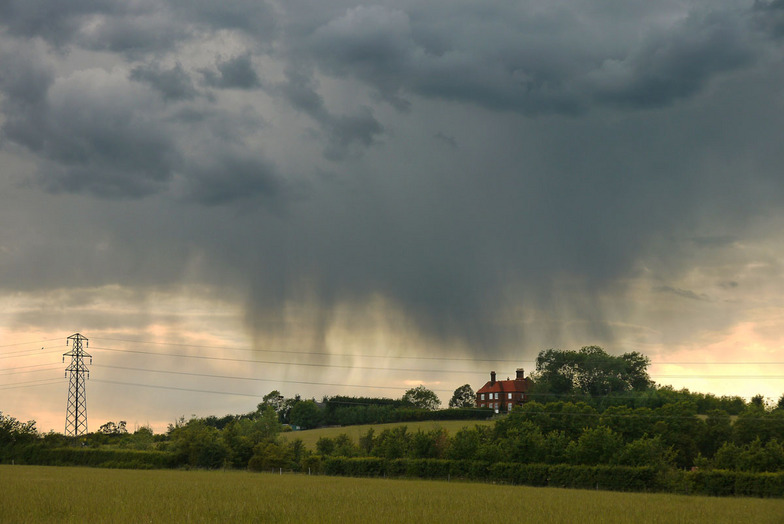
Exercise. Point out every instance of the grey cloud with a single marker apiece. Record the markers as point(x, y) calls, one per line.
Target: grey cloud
point(546, 214)
point(446, 139)
point(254, 17)
point(134, 27)
point(233, 73)
point(531, 61)
point(685, 293)
point(173, 83)
point(677, 63)
point(714, 241)
point(24, 81)
point(230, 178)
point(341, 131)
point(133, 33)
point(54, 21)
point(95, 141)
point(769, 17)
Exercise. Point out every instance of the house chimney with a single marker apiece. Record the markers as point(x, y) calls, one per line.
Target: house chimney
point(492, 378)
point(520, 374)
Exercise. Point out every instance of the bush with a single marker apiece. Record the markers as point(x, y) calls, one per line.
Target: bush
point(95, 457)
point(515, 473)
point(722, 483)
point(613, 478)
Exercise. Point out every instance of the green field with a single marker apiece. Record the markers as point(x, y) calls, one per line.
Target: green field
point(50, 494)
point(311, 436)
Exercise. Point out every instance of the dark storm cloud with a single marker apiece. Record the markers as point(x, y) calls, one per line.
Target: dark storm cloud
point(173, 83)
point(54, 21)
point(225, 180)
point(676, 63)
point(134, 27)
point(669, 147)
point(254, 17)
point(339, 131)
point(233, 73)
point(535, 60)
point(24, 81)
point(769, 16)
point(90, 140)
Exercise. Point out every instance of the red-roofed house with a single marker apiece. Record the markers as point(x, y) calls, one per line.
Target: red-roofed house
point(502, 395)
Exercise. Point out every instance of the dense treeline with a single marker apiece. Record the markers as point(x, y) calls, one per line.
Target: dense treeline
point(672, 436)
point(614, 432)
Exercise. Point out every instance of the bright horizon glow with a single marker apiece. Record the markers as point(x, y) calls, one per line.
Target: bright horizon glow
point(115, 390)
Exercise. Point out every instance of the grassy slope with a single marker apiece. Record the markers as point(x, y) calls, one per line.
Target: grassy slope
point(311, 436)
point(48, 494)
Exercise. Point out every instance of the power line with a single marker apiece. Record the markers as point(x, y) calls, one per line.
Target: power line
point(28, 343)
point(28, 352)
point(30, 371)
point(232, 377)
point(403, 357)
point(412, 370)
point(379, 368)
point(307, 364)
point(319, 353)
point(38, 382)
point(30, 366)
point(358, 355)
point(266, 380)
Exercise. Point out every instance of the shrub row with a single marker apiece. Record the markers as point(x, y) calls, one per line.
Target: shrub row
point(722, 483)
point(377, 414)
point(413, 415)
point(96, 457)
point(605, 477)
point(616, 478)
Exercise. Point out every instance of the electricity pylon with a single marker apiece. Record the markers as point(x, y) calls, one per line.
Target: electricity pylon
point(76, 412)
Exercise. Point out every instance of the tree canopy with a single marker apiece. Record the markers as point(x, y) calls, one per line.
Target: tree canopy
point(464, 397)
point(592, 371)
point(422, 398)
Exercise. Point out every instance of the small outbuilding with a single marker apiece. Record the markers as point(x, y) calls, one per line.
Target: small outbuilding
point(503, 395)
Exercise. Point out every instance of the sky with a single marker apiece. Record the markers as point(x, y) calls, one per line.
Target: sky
point(330, 197)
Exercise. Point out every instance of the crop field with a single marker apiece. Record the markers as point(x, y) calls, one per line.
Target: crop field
point(311, 436)
point(51, 494)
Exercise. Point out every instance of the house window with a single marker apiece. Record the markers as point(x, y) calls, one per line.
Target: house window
point(496, 397)
point(482, 396)
point(510, 396)
point(509, 407)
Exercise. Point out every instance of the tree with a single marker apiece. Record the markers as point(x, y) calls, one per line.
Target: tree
point(646, 451)
point(110, 428)
point(464, 397)
point(595, 446)
point(422, 398)
point(592, 371)
point(306, 414)
point(273, 400)
point(266, 426)
point(198, 444)
point(13, 431)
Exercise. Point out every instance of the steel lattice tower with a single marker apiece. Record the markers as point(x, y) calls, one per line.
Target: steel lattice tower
point(76, 412)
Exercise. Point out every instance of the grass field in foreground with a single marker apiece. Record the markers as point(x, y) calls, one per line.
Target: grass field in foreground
point(50, 494)
point(311, 436)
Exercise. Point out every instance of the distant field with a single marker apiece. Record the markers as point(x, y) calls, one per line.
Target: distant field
point(49, 494)
point(311, 436)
